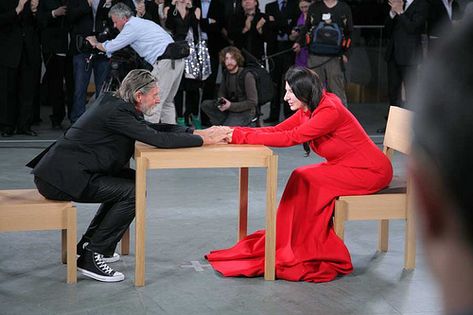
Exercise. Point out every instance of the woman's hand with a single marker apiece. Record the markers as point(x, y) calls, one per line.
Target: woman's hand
point(214, 135)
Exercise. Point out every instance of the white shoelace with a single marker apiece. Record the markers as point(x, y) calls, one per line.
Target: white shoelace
point(102, 264)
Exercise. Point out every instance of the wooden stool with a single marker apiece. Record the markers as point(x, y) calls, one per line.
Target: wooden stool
point(28, 210)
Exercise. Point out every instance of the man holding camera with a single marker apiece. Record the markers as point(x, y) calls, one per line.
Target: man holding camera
point(238, 97)
point(155, 45)
point(87, 17)
point(90, 164)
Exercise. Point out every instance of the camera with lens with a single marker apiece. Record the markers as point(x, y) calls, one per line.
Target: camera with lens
point(220, 102)
point(83, 45)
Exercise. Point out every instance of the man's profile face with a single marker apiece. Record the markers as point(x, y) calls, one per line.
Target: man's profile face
point(149, 100)
point(118, 23)
point(230, 63)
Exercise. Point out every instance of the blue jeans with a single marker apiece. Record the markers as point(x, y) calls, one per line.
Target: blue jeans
point(101, 67)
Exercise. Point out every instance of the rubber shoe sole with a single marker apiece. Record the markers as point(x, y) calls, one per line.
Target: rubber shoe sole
point(118, 276)
point(114, 258)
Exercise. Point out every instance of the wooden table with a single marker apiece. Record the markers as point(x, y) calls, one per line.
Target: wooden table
point(211, 156)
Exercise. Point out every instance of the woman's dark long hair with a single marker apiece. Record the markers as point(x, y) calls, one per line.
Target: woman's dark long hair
point(306, 86)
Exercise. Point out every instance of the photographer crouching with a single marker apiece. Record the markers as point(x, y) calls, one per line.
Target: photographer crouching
point(157, 47)
point(90, 164)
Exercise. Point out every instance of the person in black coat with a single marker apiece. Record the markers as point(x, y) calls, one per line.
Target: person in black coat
point(440, 18)
point(404, 26)
point(54, 45)
point(145, 9)
point(248, 30)
point(20, 65)
point(282, 16)
point(89, 164)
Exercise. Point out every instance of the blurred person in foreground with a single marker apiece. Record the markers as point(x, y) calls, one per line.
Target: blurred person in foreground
point(90, 164)
point(441, 166)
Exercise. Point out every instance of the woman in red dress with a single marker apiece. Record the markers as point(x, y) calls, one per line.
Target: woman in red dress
point(307, 247)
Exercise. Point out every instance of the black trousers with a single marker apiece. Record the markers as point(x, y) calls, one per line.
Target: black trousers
point(397, 75)
point(114, 216)
point(279, 66)
point(54, 79)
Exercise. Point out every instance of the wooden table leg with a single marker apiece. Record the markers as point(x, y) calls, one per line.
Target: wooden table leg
point(270, 242)
point(140, 225)
point(125, 243)
point(243, 215)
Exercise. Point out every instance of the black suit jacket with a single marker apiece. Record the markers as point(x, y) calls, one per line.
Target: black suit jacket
point(404, 32)
point(102, 142)
point(438, 21)
point(283, 23)
point(81, 20)
point(151, 10)
point(54, 30)
point(19, 37)
point(216, 12)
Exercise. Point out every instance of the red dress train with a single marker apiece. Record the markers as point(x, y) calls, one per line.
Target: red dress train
point(307, 247)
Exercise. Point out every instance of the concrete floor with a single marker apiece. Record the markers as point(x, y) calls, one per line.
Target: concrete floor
point(191, 212)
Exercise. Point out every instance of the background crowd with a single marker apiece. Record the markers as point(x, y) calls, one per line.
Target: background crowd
point(53, 33)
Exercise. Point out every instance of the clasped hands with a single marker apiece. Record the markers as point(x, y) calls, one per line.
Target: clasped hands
point(216, 135)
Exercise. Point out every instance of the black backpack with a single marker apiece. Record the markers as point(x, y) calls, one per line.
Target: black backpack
point(326, 39)
point(264, 83)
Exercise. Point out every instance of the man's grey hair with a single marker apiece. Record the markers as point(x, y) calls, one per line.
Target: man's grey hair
point(443, 120)
point(136, 80)
point(121, 11)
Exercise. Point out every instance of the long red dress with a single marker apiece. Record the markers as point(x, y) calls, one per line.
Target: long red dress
point(307, 247)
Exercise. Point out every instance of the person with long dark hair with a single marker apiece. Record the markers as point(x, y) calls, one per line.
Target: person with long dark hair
point(307, 248)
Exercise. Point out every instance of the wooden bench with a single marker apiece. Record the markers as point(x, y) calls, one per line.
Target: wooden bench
point(28, 210)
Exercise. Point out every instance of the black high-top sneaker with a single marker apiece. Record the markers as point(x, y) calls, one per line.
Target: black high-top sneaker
point(92, 265)
point(107, 258)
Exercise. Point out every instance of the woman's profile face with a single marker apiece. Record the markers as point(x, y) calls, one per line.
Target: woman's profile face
point(292, 100)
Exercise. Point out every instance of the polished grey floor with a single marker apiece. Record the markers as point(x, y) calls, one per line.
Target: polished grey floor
point(191, 212)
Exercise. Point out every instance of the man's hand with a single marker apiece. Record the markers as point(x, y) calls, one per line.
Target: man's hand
point(34, 5)
point(60, 11)
point(396, 6)
point(21, 5)
point(225, 106)
point(214, 135)
point(92, 40)
point(248, 21)
point(296, 47)
point(260, 24)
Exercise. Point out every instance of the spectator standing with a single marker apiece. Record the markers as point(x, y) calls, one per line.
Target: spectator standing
point(442, 13)
point(145, 9)
point(182, 20)
point(20, 64)
point(282, 16)
point(152, 43)
point(248, 29)
point(54, 45)
point(303, 54)
point(404, 25)
point(331, 69)
point(212, 23)
point(87, 17)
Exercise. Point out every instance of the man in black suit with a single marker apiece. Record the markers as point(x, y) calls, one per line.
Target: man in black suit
point(89, 164)
point(404, 26)
point(145, 9)
point(282, 16)
point(54, 45)
point(441, 15)
point(20, 65)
